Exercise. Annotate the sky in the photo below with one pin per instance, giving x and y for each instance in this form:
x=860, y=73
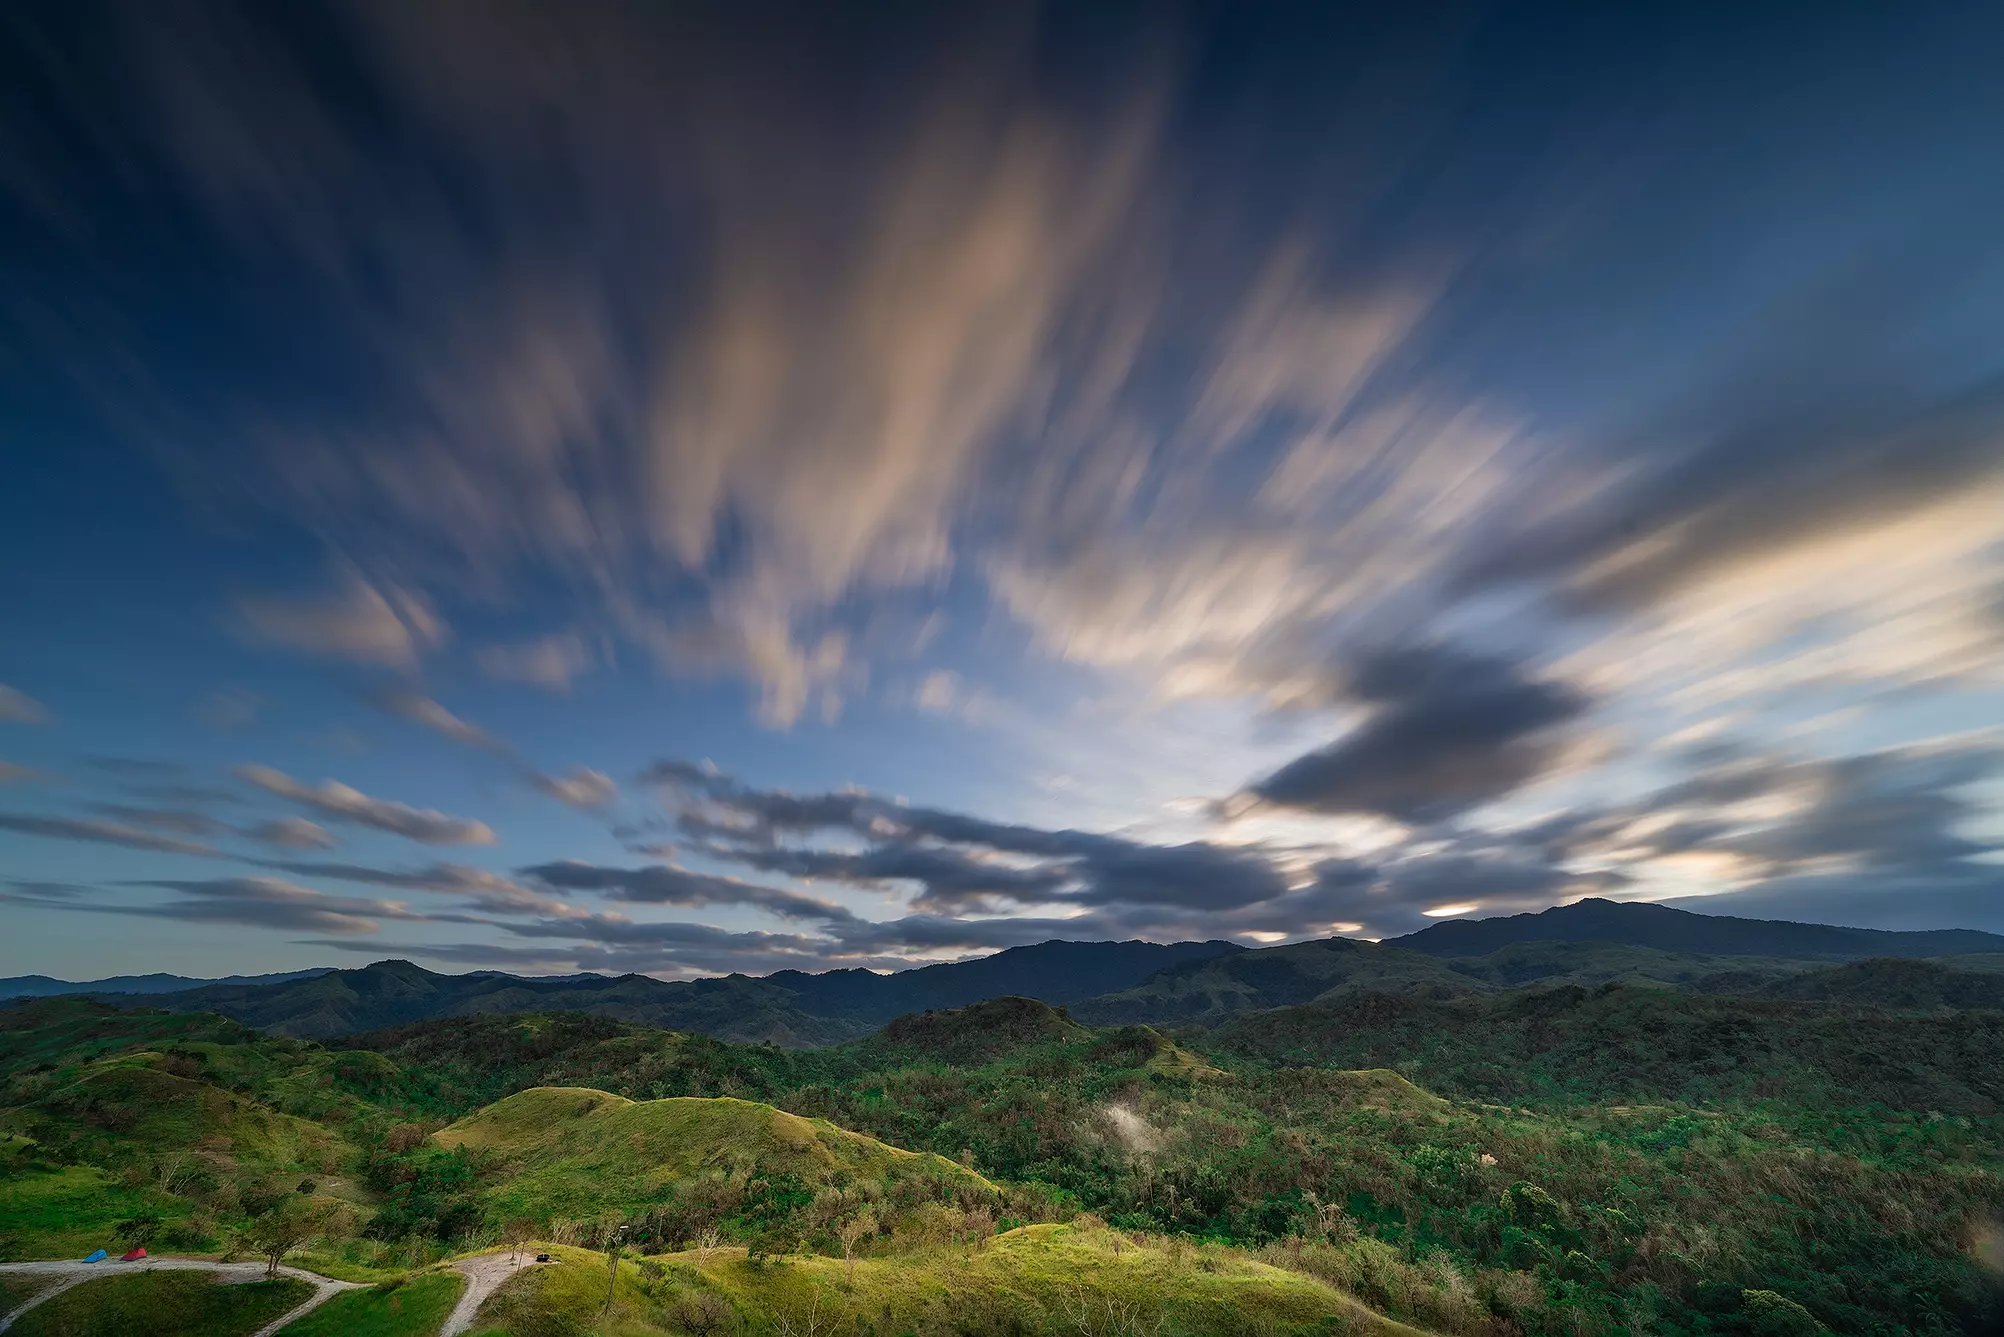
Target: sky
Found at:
x=706, y=488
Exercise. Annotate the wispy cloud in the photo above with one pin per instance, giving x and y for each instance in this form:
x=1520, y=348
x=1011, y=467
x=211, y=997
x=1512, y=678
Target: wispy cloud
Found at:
x=17, y=707
x=345, y=804
x=407, y=703
x=582, y=788
x=96, y=832
x=293, y=833
x=551, y=662
x=367, y=623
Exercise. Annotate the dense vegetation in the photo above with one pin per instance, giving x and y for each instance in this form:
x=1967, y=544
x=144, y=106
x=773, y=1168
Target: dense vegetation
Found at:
x=1818, y=1151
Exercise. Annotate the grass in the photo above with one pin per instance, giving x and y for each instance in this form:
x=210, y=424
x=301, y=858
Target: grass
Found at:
x=162, y=1304
x=417, y=1308
x=1084, y=1279
x=19, y=1288
x=63, y=1213
x=575, y=1151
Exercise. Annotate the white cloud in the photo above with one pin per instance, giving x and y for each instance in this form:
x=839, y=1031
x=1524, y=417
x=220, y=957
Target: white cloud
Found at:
x=582, y=788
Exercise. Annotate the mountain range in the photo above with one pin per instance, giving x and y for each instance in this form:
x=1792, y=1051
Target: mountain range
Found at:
x=1589, y=943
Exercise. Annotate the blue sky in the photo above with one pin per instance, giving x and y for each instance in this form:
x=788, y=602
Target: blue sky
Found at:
x=622, y=489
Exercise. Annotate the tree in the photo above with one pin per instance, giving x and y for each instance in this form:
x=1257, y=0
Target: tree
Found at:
x=707, y=1240
x=706, y=1312
x=137, y=1231
x=284, y=1228
x=517, y=1233
x=857, y=1228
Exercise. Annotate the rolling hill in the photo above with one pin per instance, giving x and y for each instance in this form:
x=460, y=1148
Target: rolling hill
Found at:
x=579, y=1152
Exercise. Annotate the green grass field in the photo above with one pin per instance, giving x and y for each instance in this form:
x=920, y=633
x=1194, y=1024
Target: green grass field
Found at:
x=414, y=1309
x=17, y=1290
x=161, y=1304
x=63, y=1213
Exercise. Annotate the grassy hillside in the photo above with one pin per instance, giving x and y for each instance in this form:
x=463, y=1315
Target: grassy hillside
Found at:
x=569, y=1152
x=152, y=1128
x=1046, y=1278
x=407, y=1308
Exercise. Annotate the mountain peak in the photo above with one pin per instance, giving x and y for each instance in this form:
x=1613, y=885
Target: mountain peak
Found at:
x=1666, y=928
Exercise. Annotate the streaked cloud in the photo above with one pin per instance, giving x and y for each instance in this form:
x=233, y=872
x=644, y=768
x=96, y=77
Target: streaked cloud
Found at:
x=581, y=788
x=178, y=821
x=409, y=704
x=293, y=833
x=345, y=804
x=93, y=831
x=384, y=625
x=550, y=662
x=17, y=707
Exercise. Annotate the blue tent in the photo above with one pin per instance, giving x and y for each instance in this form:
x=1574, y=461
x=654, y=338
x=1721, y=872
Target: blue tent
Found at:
x=97, y=1257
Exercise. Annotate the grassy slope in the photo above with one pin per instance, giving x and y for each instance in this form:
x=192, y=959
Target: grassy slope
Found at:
x=416, y=1308
x=18, y=1288
x=102, y=1112
x=1049, y=1277
x=575, y=1151
x=161, y=1304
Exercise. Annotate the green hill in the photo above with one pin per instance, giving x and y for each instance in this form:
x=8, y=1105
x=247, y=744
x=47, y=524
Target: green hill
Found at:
x=1046, y=1278
x=575, y=1152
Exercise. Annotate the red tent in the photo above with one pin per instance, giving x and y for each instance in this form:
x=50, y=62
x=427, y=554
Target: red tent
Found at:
x=135, y=1255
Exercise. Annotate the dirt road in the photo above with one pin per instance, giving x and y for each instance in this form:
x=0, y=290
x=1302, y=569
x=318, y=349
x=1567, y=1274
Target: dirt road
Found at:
x=484, y=1274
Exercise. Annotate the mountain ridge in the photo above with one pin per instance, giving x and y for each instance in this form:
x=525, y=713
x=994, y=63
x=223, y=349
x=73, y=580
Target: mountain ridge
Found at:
x=1665, y=928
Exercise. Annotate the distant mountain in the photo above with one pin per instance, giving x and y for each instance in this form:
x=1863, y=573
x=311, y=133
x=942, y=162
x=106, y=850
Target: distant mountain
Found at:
x=1212, y=990
x=42, y=986
x=790, y=1008
x=1051, y=972
x=1209, y=990
x=1639, y=924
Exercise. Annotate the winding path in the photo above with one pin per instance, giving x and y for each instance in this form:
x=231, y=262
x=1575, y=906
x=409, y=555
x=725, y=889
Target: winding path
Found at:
x=484, y=1274
x=70, y=1273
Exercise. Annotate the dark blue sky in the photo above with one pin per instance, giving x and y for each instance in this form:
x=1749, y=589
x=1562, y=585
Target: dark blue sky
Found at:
x=707, y=487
